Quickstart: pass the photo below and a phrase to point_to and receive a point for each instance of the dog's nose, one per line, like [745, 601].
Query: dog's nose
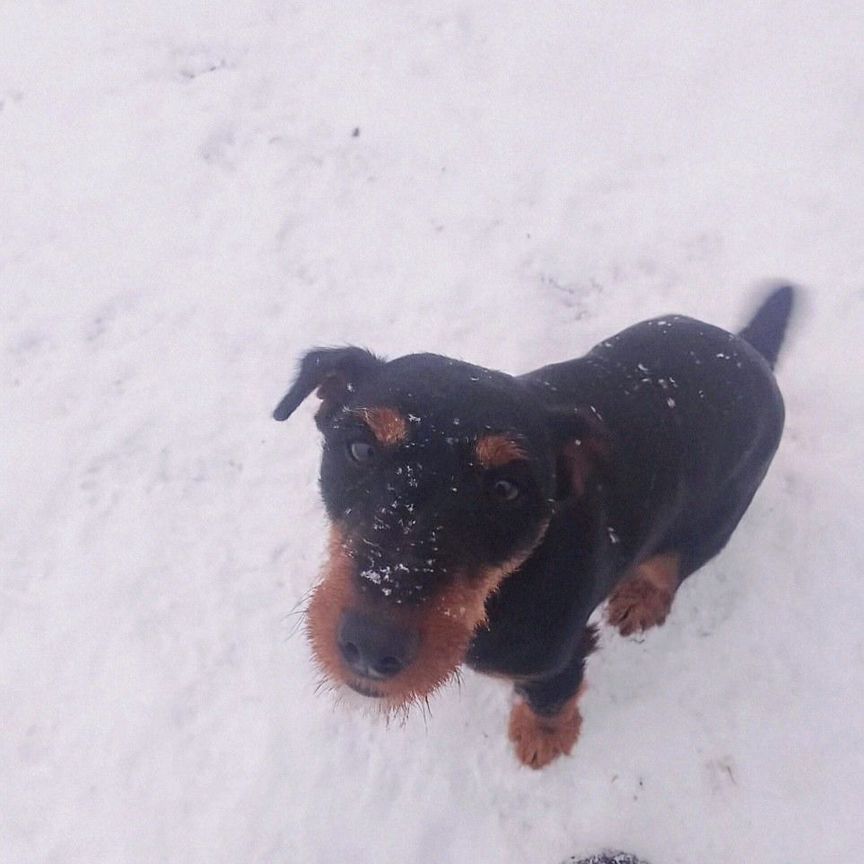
[376, 649]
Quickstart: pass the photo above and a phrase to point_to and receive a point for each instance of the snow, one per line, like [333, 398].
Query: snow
[194, 193]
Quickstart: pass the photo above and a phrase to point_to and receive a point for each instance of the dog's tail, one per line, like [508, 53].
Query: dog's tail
[767, 327]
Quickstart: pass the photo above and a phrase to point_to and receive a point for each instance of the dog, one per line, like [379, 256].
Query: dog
[480, 518]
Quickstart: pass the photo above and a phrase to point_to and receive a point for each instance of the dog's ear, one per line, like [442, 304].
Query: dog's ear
[582, 445]
[334, 372]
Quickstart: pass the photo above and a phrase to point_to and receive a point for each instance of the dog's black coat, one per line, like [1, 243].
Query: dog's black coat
[685, 417]
[695, 416]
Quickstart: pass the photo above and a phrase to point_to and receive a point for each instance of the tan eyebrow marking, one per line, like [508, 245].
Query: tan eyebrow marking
[388, 426]
[492, 451]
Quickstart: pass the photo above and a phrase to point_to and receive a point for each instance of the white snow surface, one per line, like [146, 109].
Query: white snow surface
[192, 194]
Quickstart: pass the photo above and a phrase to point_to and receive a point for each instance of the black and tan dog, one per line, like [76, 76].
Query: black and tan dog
[480, 518]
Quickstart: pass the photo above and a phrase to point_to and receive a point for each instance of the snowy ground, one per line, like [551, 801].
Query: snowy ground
[191, 194]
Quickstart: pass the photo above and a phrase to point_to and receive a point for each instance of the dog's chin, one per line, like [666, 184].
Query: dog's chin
[354, 696]
[386, 700]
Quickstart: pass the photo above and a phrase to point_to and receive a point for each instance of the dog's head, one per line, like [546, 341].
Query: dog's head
[439, 479]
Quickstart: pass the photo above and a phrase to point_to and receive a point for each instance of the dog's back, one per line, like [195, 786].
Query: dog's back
[695, 416]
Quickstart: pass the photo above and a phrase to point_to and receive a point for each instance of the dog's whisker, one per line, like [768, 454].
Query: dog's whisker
[324, 685]
[296, 614]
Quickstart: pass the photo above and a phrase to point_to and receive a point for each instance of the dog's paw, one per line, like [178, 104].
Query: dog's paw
[540, 740]
[644, 600]
[637, 605]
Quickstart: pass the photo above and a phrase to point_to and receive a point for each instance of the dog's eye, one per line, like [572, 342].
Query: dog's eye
[505, 490]
[361, 451]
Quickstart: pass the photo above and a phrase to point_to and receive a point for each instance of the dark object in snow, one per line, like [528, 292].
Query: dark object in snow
[481, 518]
[607, 858]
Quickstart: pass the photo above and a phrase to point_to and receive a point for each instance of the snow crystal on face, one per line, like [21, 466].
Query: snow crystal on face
[410, 471]
[613, 535]
[670, 402]
[373, 576]
[384, 575]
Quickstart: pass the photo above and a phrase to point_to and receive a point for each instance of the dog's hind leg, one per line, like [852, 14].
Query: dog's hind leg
[645, 597]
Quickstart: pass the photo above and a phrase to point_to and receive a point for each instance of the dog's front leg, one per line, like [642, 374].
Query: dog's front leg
[545, 721]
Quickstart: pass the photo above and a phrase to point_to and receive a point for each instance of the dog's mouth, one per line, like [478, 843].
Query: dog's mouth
[364, 690]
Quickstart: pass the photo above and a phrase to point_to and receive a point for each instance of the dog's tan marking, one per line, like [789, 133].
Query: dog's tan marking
[388, 426]
[493, 451]
[539, 739]
[644, 599]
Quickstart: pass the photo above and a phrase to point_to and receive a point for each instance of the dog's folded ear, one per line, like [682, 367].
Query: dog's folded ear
[334, 372]
[583, 446]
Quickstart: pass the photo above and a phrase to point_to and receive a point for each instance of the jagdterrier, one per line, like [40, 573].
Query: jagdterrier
[480, 518]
